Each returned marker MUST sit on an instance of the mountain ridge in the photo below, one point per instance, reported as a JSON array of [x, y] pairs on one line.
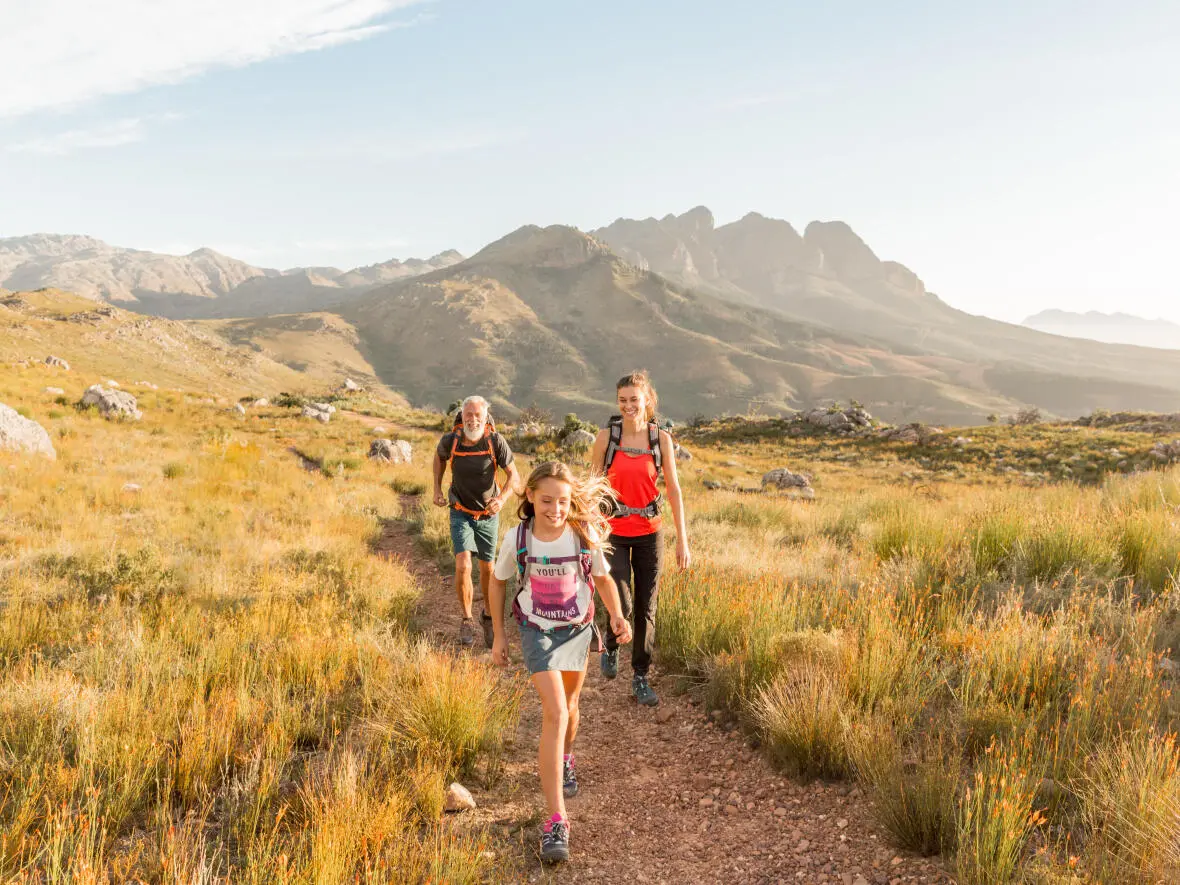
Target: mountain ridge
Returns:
[[200, 284]]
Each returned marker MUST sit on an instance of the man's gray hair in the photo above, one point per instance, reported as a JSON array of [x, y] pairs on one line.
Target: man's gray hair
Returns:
[[475, 401]]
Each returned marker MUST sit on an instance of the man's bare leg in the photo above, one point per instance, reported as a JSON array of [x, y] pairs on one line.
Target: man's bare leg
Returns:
[[463, 588]]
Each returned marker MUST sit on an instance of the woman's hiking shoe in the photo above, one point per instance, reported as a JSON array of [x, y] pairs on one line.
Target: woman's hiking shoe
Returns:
[[609, 662], [569, 778], [643, 692], [467, 633], [489, 635], [555, 840]]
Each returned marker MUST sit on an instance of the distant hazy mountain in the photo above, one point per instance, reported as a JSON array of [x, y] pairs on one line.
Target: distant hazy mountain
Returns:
[[554, 316], [749, 314], [830, 276], [1115, 328], [201, 284]]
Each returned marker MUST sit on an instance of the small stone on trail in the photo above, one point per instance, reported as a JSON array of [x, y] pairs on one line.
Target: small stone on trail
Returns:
[[664, 714], [459, 798]]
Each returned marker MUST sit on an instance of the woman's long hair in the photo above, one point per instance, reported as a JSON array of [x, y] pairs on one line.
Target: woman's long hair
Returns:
[[591, 499], [639, 379]]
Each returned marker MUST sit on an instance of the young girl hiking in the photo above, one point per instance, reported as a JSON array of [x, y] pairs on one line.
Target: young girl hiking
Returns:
[[632, 451], [557, 555]]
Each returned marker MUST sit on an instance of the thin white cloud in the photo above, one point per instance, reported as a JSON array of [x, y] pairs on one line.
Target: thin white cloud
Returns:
[[107, 135], [60, 53]]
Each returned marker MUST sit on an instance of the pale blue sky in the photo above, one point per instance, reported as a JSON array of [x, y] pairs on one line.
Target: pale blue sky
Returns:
[[1016, 155]]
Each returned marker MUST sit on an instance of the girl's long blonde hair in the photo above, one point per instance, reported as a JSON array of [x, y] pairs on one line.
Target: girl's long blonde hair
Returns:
[[591, 499]]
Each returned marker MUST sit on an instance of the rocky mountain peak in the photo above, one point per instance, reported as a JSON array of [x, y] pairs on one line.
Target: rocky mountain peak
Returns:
[[844, 253], [698, 220], [553, 246]]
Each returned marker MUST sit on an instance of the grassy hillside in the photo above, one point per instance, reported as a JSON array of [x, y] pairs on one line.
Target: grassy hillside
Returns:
[[219, 359], [205, 671], [207, 675], [987, 649], [319, 345]]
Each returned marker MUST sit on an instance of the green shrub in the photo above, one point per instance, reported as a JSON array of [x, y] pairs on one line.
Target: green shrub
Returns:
[[803, 717]]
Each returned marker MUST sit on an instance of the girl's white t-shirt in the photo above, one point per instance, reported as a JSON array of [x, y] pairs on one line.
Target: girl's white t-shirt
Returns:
[[554, 594]]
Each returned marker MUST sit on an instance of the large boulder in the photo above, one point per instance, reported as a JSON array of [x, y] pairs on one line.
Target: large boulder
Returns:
[[1166, 453], [578, 440], [910, 433], [853, 419], [314, 410], [390, 451], [829, 420], [520, 431], [683, 454], [21, 434], [782, 478], [351, 386], [57, 362], [112, 403]]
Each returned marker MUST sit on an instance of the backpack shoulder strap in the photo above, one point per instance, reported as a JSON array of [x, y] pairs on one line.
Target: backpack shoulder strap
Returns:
[[615, 428], [653, 439], [522, 548]]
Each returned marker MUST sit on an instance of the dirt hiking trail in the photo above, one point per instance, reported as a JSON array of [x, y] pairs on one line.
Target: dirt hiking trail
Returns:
[[668, 796]]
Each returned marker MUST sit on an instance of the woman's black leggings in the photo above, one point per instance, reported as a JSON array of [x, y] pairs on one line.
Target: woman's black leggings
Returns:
[[635, 566]]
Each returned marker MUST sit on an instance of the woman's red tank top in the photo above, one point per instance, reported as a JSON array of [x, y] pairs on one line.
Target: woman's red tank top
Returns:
[[633, 477]]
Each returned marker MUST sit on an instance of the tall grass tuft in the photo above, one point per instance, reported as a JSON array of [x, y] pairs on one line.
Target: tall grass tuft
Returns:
[[1131, 802], [915, 791], [804, 719], [996, 816]]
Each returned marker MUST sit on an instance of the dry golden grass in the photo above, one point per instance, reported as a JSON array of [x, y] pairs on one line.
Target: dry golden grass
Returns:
[[984, 648], [206, 671]]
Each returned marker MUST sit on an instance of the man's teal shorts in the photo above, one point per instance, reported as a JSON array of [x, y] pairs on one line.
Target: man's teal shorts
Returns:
[[475, 535]]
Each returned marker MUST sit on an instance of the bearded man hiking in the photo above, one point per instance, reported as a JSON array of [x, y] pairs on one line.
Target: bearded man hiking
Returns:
[[475, 451]]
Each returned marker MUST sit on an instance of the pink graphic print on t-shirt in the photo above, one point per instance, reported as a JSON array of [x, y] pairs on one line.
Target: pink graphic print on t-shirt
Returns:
[[554, 589]]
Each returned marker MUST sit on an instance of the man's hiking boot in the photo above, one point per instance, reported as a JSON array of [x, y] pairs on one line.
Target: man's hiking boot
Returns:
[[610, 663], [569, 778], [555, 840], [643, 692], [489, 635], [467, 633]]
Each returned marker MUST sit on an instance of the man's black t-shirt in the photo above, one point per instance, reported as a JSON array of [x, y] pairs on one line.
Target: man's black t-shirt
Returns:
[[473, 477]]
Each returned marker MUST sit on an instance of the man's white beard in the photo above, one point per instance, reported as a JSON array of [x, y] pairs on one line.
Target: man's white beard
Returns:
[[472, 437]]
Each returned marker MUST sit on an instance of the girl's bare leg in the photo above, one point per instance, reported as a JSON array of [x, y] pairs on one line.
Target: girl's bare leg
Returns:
[[555, 720], [572, 683]]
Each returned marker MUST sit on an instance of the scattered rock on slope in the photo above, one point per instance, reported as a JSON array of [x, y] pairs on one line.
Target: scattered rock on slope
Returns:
[[390, 451], [112, 403], [21, 434]]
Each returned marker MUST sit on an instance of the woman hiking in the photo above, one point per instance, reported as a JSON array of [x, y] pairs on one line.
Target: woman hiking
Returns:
[[558, 558], [632, 451]]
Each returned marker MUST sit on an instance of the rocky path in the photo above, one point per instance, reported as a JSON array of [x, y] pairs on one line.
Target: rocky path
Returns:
[[667, 795]]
